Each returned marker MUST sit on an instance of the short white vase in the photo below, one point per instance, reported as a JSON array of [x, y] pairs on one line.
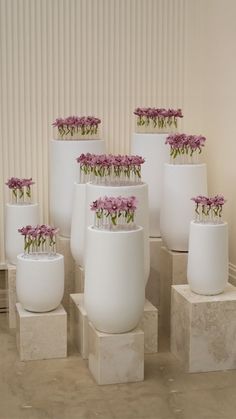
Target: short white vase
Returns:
[[207, 271], [78, 225], [94, 191], [17, 216], [40, 282], [114, 285], [181, 183], [63, 171], [153, 148]]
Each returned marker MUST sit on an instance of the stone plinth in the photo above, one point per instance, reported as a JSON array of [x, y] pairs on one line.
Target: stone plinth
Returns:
[[79, 279], [203, 329], [116, 358], [11, 284], [149, 325], [63, 247], [153, 284], [41, 335]]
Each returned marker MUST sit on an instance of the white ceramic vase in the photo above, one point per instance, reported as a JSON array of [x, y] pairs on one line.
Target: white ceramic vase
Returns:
[[181, 183], [153, 148], [77, 237], [40, 282], [207, 271], [17, 216], [63, 172], [141, 218], [114, 286]]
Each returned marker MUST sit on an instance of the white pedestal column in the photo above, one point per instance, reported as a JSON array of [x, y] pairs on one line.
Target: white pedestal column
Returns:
[[78, 223], [63, 247]]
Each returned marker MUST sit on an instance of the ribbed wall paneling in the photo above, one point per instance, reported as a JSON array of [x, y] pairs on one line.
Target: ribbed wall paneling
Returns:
[[101, 57]]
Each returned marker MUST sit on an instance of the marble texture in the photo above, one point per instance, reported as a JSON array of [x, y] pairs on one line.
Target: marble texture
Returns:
[[203, 329], [153, 285], [79, 279], [12, 298], [41, 335], [79, 324], [63, 247], [149, 325], [116, 358]]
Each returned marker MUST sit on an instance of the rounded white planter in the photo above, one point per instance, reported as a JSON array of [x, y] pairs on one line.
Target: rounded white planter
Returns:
[[40, 282], [77, 240], [114, 285], [63, 171], [153, 148], [141, 218], [208, 262], [17, 216], [181, 183]]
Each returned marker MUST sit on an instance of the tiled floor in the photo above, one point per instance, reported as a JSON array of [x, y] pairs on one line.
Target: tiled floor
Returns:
[[64, 389]]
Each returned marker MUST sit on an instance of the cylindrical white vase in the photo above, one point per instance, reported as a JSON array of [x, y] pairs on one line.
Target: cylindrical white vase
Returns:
[[141, 217], [62, 175], [207, 271], [181, 183], [40, 282], [153, 148], [18, 216], [77, 239], [114, 283]]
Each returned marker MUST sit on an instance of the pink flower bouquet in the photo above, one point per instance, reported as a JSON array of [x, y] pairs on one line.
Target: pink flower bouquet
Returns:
[[208, 210], [183, 146], [40, 239], [75, 127], [158, 118], [21, 190]]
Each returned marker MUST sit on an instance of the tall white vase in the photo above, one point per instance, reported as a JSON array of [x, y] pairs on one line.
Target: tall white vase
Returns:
[[208, 262], [153, 148], [114, 285], [62, 175], [180, 184], [78, 224], [141, 192], [40, 282], [17, 216]]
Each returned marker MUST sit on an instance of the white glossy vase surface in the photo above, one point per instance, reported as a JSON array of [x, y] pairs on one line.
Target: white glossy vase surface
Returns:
[[63, 171], [40, 282], [78, 225], [114, 284], [181, 183], [141, 218], [153, 148], [207, 271], [17, 216]]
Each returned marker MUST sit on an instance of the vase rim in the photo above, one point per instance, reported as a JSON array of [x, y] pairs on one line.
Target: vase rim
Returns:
[[209, 225], [131, 231], [76, 140], [185, 165], [135, 185], [53, 258], [31, 204]]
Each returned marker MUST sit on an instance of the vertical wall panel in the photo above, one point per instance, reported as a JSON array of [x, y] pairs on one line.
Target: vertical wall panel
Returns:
[[61, 57]]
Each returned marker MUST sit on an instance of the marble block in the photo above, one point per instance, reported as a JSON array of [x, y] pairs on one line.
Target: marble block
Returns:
[[79, 279], [79, 324], [116, 358], [63, 247], [149, 325], [203, 329], [12, 298], [153, 284], [41, 335]]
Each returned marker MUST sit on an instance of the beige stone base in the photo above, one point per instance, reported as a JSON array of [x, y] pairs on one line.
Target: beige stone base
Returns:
[[79, 279], [63, 247], [41, 335], [153, 284], [11, 285], [116, 358], [203, 329]]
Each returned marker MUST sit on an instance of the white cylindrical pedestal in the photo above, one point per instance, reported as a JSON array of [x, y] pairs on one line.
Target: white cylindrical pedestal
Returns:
[[62, 175], [141, 218], [153, 148], [78, 225], [114, 285], [18, 216], [208, 262], [40, 282], [180, 184]]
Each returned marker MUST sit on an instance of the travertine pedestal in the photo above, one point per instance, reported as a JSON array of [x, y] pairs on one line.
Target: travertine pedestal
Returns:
[[79, 279], [173, 271], [149, 325], [3, 291], [203, 329], [63, 247], [116, 358], [153, 285], [11, 284], [41, 335]]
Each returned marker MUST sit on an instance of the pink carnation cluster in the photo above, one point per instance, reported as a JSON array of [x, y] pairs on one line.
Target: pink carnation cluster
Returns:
[[20, 187], [158, 116], [39, 238], [185, 144], [209, 209], [113, 211], [73, 125]]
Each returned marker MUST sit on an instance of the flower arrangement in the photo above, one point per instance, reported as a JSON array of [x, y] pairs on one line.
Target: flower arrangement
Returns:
[[114, 213], [158, 118], [40, 239], [208, 210], [21, 190], [75, 126], [185, 146], [110, 169]]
